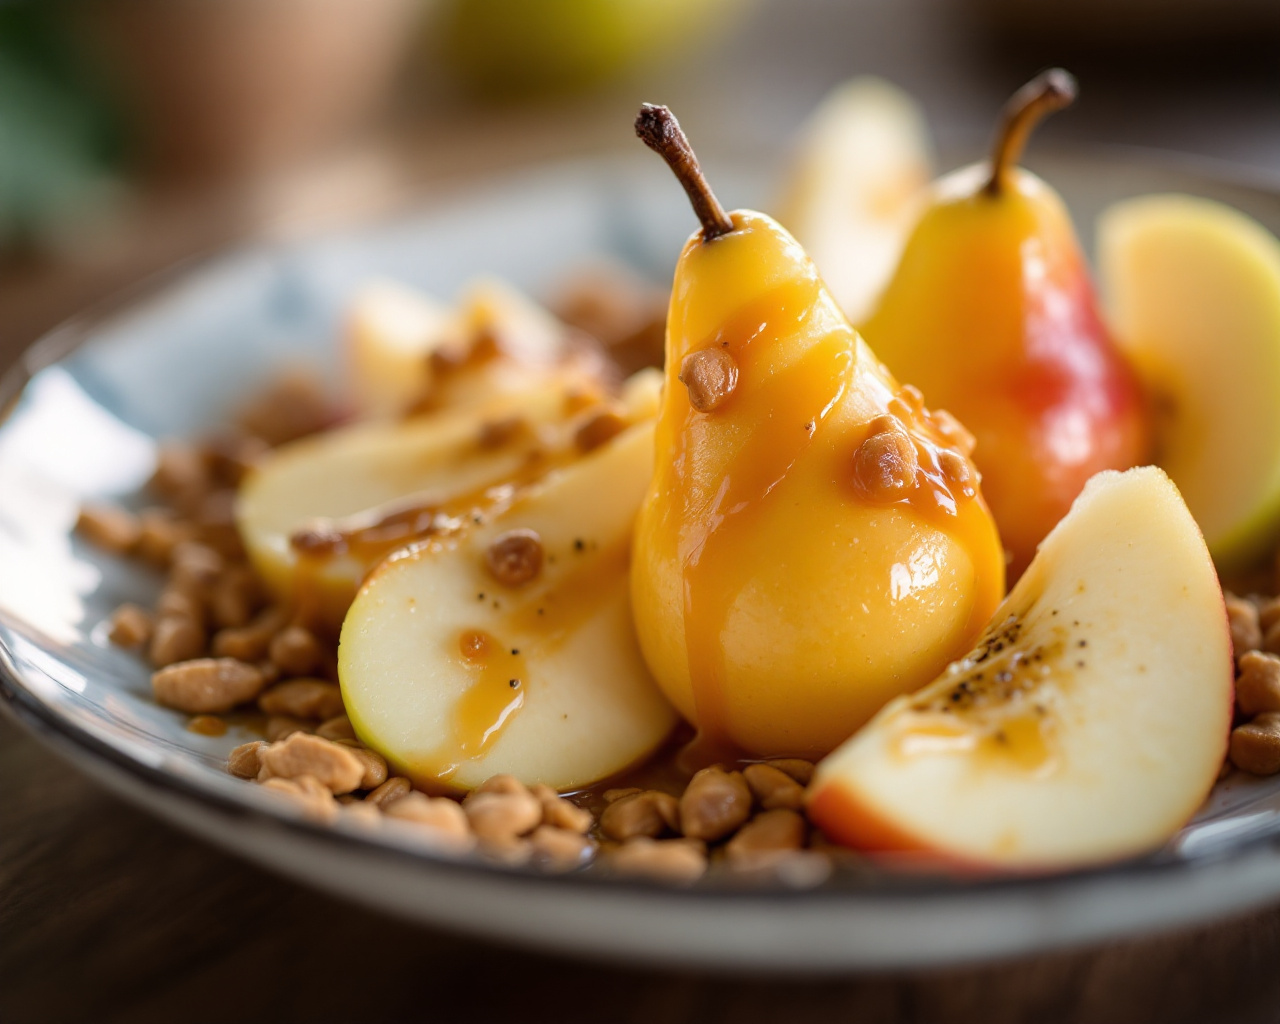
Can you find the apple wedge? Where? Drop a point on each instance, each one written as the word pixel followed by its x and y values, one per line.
pixel 1089 723
pixel 405 349
pixel 510 648
pixel 1192 289
pixel 334 505
pixel 863 159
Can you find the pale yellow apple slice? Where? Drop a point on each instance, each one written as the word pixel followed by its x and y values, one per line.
pixel 393 332
pixel 1192 290
pixel 1089 723
pixel 454 675
pixel 863 159
pixel 359 492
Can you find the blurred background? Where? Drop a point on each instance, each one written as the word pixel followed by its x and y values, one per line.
pixel 134 133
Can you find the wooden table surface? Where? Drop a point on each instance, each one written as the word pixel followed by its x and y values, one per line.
pixel 109 915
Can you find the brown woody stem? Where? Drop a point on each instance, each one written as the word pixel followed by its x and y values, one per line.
pixel 1049 91
pixel 658 129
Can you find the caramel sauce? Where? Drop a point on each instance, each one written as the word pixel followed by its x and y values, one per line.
pixel 207 725
pixel 781 412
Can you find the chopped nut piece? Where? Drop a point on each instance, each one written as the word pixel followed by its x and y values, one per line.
pixel 234 598
pixel 1255 746
pixel 610 795
pixel 362 814
pixel 176 639
pixel 501 817
pixel 246 760
pixel 194 567
pixel 249 643
pixel 555 849
pixel 769 830
pixel 110 528
pixel 560 812
pixel 677 861
pixel 885 465
pixel 296 650
pixel 444 817
pixel 303 698
pixel 180 604
pixel 294 405
pixel 1258 688
pixel 281 726
pixel 801 771
pixel 130 626
pixel 206 685
pixel 515 557
pixel 711 375
pixel 336 767
pixel 1246 630
pixel 1268 613
pixel 954 432
pixel 958 472
pixel 180 471
pixel 600 429
pixel 773 788
pixel 1271 638
pixel 159 533
pixel 375 767
pixel 649 813
pixel 337 728
pixel 309 793
pixel 714 804
pixel 502 783
pixel 389 792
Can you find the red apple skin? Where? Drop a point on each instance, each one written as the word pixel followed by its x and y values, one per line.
pixel 836 808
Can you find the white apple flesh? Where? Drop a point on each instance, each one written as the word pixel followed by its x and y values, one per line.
pixel 454 676
pixel 1192 290
pixel 1090 722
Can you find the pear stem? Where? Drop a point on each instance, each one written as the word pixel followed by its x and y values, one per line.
pixel 1048 92
pixel 658 129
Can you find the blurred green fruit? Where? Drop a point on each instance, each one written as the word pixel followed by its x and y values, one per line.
pixel 518 45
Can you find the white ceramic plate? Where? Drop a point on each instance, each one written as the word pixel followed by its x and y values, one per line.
pixel 85 408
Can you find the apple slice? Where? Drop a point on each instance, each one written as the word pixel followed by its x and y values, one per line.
pixel 863 159
pixel 1193 292
pixel 394 332
pixel 1089 723
pixel 454 674
pixel 334 505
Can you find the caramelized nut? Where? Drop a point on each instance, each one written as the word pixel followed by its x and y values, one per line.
pixel 249 643
pixel 1246 628
pixel 1271 638
pixel 1268 613
pixel 559 812
pixel 206 685
pixel 770 831
pixel 773 788
pixel 677 861
pixel 714 804
pixel 1255 746
pixel 296 650
pixel 515 557
pixel 194 567
pixel 389 792
pixel 958 473
pixel 600 429
pixel 336 728
pixel 555 849
pixel 303 698
pixel 711 375
pixel 308 793
pixel 130 626
pixel 176 639
pixel 281 726
pixel 1258 688
pixel 885 465
pixel 246 760
pixel 501 783
pixel 109 527
pixel 649 813
pixel 501 817
pixel 336 767
pixel 800 770
pixel 444 818
pixel 180 604
pixel 954 432
pixel 159 533
pixel 233 598
pixel 610 795
pixel 180 471
pixel 375 767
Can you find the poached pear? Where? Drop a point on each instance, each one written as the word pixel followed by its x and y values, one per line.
pixel 992 313
pixel 813 542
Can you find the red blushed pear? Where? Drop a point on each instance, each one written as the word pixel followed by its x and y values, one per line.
pixel 813 541
pixel 992 314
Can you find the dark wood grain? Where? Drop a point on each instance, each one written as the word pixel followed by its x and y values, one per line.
pixel 108 915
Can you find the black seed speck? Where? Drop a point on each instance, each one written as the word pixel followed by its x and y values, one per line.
pixel 1083 643
pixel 579 544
